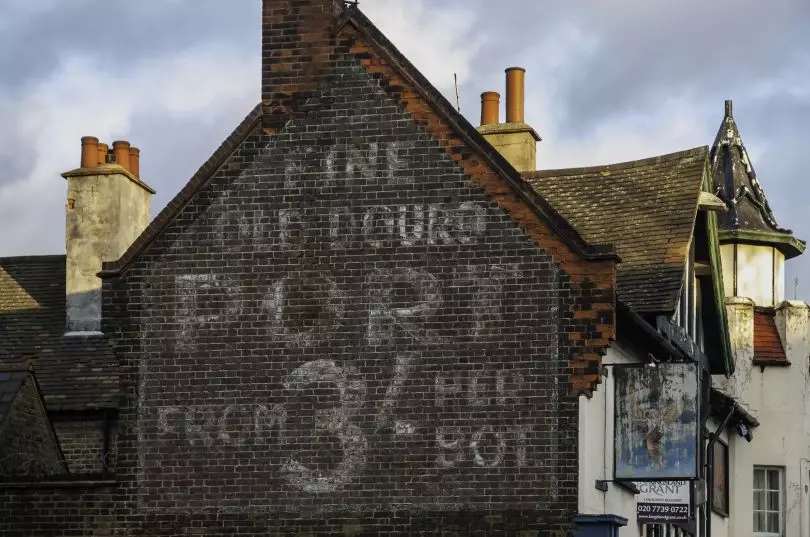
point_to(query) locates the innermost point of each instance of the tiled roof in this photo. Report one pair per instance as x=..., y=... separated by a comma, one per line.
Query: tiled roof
x=768, y=347
x=74, y=372
x=646, y=209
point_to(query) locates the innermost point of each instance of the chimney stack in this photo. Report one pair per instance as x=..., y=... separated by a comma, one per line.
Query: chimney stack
x=490, y=108
x=108, y=208
x=514, y=140
x=297, y=40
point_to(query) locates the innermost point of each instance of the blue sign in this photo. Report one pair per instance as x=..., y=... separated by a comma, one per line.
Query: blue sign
x=656, y=422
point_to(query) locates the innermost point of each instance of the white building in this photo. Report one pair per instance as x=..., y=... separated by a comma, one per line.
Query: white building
x=682, y=251
x=768, y=478
x=660, y=215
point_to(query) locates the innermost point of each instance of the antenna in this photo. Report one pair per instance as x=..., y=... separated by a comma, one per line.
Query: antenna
x=458, y=103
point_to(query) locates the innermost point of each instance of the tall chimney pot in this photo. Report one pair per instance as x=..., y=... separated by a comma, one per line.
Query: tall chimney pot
x=515, y=94
x=135, y=161
x=121, y=150
x=89, y=151
x=490, y=108
x=102, y=153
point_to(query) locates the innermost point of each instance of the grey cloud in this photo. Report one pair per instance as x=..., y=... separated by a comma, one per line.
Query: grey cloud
x=173, y=149
x=646, y=52
x=116, y=32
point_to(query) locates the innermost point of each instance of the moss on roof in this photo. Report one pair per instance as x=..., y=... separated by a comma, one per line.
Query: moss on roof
x=645, y=208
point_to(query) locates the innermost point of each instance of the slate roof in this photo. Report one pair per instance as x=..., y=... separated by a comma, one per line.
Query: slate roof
x=645, y=208
x=74, y=372
x=768, y=348
x=736, y=183
x=10, y=384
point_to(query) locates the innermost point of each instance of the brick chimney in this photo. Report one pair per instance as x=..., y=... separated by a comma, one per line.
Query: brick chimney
x=108, y=206
x=515, y=140
x=297, y=40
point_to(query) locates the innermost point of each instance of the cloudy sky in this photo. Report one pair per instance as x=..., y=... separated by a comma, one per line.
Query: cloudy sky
x=606, y=82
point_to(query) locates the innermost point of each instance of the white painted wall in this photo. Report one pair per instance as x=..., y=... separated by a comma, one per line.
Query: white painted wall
x=753, y=271
x=778, y=398
x=596, y=450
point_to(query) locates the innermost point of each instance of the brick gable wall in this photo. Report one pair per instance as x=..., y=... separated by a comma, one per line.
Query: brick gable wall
x=345, y=331
x=349, y=324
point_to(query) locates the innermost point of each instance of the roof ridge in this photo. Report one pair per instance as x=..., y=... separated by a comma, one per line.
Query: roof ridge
x=460, y=124
x=24, y=258
x=658, y=159
x=184, y=195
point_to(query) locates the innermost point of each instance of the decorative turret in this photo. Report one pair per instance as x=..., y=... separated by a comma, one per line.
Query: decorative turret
x=753, y=246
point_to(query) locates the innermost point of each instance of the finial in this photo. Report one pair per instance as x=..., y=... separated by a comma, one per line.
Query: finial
x=728, y=108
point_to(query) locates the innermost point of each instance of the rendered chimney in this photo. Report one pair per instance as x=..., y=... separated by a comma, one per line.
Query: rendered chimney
x=515, y=140
x=108, y=207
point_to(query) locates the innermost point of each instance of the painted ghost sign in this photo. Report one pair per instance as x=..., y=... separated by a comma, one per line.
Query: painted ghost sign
x=349, y=338
x=656, y=422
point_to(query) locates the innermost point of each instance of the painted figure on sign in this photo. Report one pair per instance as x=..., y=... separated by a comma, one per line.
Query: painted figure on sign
x=655, y=420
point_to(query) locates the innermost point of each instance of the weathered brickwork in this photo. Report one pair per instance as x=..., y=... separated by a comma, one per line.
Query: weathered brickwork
x=300, y=37
x=351, y=324
x=42, y=511
x=357, y=326
x=590, y=285
x=82, y=443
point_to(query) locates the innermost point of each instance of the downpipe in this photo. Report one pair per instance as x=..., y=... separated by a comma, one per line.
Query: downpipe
x=708, y=468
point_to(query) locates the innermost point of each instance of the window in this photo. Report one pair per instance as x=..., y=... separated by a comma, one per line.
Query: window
x=720, y=478
x=768, y=501
x=686, y=313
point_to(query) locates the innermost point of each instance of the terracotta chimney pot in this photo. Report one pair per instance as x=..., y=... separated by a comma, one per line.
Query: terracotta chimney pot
x=102, y=153
x=515, y=94
x=89, y=151
x=490, y=108
x=121, y=150
x=135, y=161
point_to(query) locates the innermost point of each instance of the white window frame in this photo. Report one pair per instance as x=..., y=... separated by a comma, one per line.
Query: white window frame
x=781, y=510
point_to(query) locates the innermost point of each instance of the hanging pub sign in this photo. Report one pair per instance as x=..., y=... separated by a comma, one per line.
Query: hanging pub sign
x=662, y=502
x=656, y=422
